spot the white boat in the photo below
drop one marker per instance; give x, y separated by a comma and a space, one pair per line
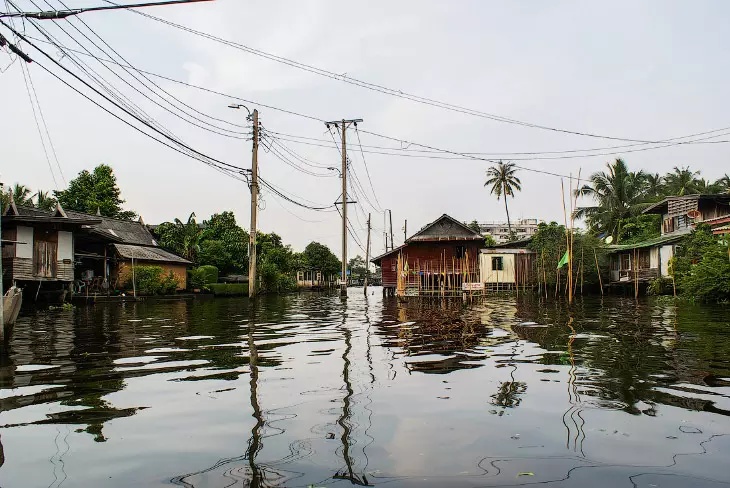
11, 305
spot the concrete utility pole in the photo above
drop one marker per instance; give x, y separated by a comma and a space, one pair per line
254, 207
254, 117
343, 125
367, 258
405, 230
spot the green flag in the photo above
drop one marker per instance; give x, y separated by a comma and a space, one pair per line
563, 261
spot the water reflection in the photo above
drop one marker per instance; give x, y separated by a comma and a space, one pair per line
315, 390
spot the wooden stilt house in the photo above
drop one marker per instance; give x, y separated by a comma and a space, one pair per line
441, 259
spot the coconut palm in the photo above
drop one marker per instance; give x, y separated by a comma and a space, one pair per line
503, 182
682, 181
22, 195
655, 186
724, 183
618, 194
44, 201
705, 187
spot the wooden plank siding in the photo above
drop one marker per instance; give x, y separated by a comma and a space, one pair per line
22, 269
435, 255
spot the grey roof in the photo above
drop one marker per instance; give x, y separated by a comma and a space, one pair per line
117, 230
148, 254
445, 228
23, 213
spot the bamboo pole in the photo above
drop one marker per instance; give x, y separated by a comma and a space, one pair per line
567, 243
636, 273
544, 274
581, 271
598, 270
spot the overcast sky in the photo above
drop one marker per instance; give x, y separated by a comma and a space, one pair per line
647, 70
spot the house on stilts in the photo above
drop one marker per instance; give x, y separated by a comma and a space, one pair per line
441, 259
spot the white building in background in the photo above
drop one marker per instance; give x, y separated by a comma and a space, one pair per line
524, 228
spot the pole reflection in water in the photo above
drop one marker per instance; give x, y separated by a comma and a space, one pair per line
254, 444
345, 420
575, 405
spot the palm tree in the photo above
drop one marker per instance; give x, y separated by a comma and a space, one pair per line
704, 187
724, 183
682, 181
503, 182
188, 235
44, 201
618, 193
654, 185
22, 195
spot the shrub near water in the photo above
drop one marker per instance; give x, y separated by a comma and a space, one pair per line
203, 275
702, 266
151, 280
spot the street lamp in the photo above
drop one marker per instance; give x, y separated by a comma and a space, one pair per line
239, 106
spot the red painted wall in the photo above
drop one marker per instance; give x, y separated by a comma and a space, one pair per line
432, 252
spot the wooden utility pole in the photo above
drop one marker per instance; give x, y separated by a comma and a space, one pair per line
343, 132
2, 295
367, 258
254, 207
392, 243
405, 230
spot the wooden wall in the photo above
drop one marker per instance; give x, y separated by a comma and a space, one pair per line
433, 253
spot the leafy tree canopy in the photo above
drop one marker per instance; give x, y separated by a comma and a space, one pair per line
92, 191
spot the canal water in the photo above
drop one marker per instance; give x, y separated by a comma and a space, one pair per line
313, 390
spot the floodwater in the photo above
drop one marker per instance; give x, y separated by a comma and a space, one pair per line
312, 390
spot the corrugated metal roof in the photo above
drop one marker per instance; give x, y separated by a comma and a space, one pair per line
125, 231
148, 254
648, 243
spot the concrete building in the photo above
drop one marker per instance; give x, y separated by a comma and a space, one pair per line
523, 228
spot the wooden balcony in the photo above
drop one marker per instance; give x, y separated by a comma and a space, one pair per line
629, 275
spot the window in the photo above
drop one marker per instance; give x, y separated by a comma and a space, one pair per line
625, 261
498, 263
460, 252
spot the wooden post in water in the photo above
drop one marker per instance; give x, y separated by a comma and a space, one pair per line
569, 284
636, 273
544, 274
598, 270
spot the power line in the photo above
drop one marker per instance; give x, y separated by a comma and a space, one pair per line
202, 125
62, 14
379, 88
367, 171
200, 156
38, 126
462, 155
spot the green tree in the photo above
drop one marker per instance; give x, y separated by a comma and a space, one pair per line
181, 238
702, 186
489, 241
503, 183
618, 195
319, 257
724, 183
215, 253
701, 266
681, 181
92, 191
655, 187
43, 201
222, 227
357, 267
474, 225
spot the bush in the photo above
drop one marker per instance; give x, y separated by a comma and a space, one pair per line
660, 286
701, 265
228, 289
150, 280
269, 277
203, 275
